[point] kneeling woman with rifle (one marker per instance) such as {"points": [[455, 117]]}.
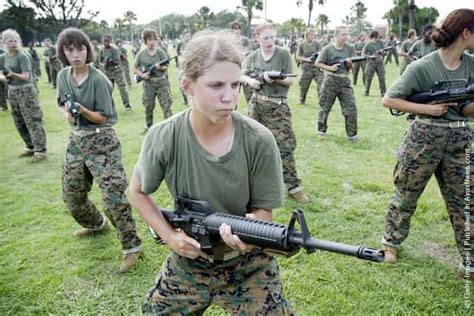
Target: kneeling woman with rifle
{"points": [[212, 153], [439, 140]]}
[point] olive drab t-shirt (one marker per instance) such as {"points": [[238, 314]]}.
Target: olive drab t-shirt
{"points": [[280, 61], [50, 53], [19, 63], [420, 49], [306, 48], [95, 93], [372, 48], [359, 45], [406, 45], [144, 61], [123, 53], [331, 54], [112, 52], [421, 75], [249, 176]]}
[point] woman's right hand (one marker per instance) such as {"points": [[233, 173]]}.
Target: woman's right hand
{"points": [[438, 109], [145, 76], [254, 83], [184, 245]]}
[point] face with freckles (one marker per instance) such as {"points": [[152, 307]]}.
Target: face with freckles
{"points": [[215, 93], [266, 38]]}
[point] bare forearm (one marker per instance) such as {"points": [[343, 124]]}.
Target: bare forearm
{"points": [[94, 117]]}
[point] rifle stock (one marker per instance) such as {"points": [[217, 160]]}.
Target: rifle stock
{"points": [[151, 69]]}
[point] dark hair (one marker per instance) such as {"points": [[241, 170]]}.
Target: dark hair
{"points": [[76, 38], [374, 34], [149, 34], [118, 41], [411, 33], [234, 24], [453, 25]]}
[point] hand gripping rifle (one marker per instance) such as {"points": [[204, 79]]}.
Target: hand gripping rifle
{"points": [[257, 74], [313, 58], [198, 221], [347, 62], [457, 90], [152, 68]]}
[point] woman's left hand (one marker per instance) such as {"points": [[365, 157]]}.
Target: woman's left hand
{"points": [[233, 241]]}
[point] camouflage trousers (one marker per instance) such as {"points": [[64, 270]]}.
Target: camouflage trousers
{"points": [[310, 73], [355, 71], [98, 156], [27, 116], [375, 66], [277, 118], [3, 95], [115, 75], [126, 71], [156, 88], [247, 285], [185, 98], [54, 68], [388, 58], [341, 88], [47, 69], [429, 150]]}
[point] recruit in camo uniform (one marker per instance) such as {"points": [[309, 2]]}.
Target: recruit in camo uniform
{"points": [[337, 84], [162, 45], [156, 84], [359, 45], [405, 48], [47, 68], [423, 46], [54, 64], [373, 47], [109, 57], [307, 54], [435, 144], [236, 27], [36, 60], [96, 50], [23, 96], [3, 84], [34, 76], [269, 105], [124, 65], [185, 37], [391, 42]]}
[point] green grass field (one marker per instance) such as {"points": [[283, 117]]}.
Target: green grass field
{"points": [[45, 270]]}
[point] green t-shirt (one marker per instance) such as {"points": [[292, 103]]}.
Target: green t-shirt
{"points": [[421, 75], [112, 52], [19, 63], [280, 61], [406, 45], [420, 49], [331, 54], [359, 45], [372, 48], [123, 53], [95, 93], [50, 53], [306, 49], [144, 61], [249, 176]]}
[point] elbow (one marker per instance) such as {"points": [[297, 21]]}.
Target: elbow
{"points": [[386, 102]]}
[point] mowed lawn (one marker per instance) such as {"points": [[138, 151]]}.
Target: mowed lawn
{"points": [[45, 270]]}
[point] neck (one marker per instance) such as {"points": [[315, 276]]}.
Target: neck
{"points": [[151, 50], [451, 56], [80, 70], [339, 45]]}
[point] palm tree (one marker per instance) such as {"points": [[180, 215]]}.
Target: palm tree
{"points": [[310, 8], [130, 16], [322, 20], [248, 6], [359, 9], [411, 14], [205, 16], [119, 23]]}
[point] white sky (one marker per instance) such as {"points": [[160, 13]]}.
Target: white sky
{"points": [[277, 10]]}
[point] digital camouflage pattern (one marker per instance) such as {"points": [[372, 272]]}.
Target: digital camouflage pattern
{"points": [[341, 88], [98, 156], [277, 118], [27, 116], [115, 75], [188, 287], [310, 73], [375, 66], [393, 52], [156, 88], [124, 65], [429, 150], [359, 45]]}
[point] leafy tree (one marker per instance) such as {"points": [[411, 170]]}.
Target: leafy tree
{"points": [[322, 21], [205, 17], [59, 14], [119, 24], [359, 10], [20, 18], [130, 16], [224, 18]]}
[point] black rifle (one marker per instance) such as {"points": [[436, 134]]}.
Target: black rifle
{"points": [[346, 61], [110, 62], [197, 220], [313, 58], [257, 74], [382, 51], [5, 71], [70, 105], [457, 90], [152, 68]]}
